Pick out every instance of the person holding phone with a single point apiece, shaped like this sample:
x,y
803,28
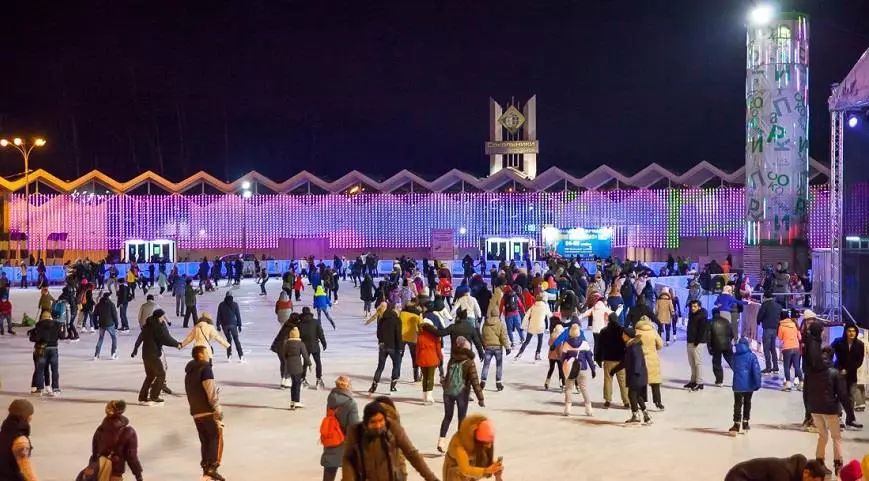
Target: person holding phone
x,y
471,452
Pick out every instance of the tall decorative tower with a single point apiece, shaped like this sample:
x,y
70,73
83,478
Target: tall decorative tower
x,y
513,138
777,128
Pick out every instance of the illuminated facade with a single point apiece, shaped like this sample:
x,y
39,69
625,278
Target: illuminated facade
x,y
651,209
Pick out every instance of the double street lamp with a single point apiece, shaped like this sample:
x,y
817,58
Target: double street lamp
x,y
245,194
25,148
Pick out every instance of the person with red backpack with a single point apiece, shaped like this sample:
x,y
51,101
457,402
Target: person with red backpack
x,y
341,414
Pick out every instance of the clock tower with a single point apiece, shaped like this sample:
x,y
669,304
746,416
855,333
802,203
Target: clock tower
x,y
513,138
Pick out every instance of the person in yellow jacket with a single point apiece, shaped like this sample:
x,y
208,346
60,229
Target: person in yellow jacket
x,y
471,453
410,320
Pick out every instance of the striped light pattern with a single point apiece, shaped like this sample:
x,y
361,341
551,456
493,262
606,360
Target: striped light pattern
x,y
654,218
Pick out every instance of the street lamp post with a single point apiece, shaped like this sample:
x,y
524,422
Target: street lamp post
x,y
25,149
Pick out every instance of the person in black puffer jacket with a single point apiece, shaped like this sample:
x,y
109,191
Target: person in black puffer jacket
x,y
639,310
768,318
389,343
695,336
463,328
15,447
610,354
117,440
826,393
44,336
106,319
720,345
229,319
811,332
278,343
794,468
312,336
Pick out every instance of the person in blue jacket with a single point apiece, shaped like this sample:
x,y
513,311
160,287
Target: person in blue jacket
x,y
746,380
322,303
726,303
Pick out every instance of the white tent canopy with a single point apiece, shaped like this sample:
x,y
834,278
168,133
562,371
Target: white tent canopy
x,y
853,92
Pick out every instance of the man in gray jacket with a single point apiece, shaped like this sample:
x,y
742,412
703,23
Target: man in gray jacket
x,y
148,308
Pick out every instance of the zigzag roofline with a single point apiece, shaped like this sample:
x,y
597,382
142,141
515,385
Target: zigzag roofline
x,y
697,176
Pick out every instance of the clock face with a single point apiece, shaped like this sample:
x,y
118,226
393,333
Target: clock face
x,y
512,120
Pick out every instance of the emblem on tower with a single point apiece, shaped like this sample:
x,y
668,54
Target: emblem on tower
x,y
513,138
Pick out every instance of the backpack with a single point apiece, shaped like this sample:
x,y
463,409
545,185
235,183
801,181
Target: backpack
x,y
455,382
331,435
58,310
511,302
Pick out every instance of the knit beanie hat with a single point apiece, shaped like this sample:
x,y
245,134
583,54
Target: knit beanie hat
x,y
294,333
462,342
851,471
21,408
485,432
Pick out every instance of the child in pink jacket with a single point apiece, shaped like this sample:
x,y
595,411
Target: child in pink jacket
x,y
789,335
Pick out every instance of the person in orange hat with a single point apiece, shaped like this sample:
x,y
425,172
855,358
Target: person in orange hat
x,y
471,453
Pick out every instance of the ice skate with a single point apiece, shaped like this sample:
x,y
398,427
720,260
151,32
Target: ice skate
x,y
372,389
546,385
745,427
567,409
647,420
786,387
442,445
393,386
588,410
499,386
320,384
212,474
482,385
634,420
734,430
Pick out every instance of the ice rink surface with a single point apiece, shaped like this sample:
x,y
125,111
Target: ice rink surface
x,y
266,441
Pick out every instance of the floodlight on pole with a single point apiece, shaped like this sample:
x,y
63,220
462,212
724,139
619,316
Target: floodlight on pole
x,y
245,185
24,149
853,121
246,194
761,14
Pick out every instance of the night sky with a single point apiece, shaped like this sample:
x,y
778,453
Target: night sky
x,y
283,86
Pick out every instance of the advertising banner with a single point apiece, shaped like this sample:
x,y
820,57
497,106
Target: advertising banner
x,y
579,242
442,243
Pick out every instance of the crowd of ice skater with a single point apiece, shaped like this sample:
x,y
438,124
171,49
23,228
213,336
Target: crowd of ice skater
x,y
415,311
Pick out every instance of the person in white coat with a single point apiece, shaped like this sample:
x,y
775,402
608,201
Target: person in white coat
x,y
599,314
535,323
469,304
202,333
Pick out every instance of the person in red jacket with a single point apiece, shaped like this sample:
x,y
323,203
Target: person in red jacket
x,y
298,286
429,355
6,315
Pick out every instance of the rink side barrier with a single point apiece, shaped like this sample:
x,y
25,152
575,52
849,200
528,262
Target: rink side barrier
x,y
56,274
